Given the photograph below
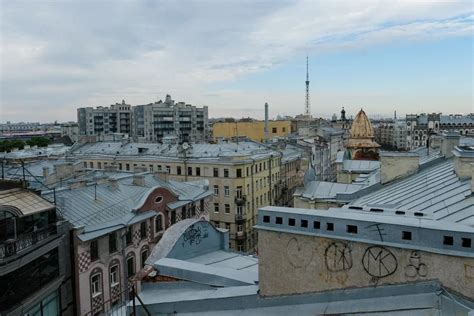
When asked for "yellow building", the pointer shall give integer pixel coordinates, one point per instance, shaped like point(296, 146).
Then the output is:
point(255, 130)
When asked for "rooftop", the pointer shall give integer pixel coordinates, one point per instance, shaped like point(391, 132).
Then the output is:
point(23, 202)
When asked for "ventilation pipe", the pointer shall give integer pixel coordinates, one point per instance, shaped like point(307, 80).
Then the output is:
point(266, 122)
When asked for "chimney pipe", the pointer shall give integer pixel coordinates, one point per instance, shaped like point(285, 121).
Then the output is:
point(266, 122)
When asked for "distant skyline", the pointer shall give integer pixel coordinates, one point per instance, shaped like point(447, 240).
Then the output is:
point(233, 56)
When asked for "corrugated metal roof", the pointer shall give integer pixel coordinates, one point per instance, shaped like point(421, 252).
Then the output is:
point(361, 165)
point(435, 190)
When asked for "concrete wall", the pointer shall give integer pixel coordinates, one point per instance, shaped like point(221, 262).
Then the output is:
point(397, 166)
point(314, 204)
point(462, 166)
point(314, 264)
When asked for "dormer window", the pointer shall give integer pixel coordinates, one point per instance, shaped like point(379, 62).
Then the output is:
point(158, 199)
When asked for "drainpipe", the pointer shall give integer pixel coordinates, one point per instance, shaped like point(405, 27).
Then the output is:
point(253, 197)
point(124, 268)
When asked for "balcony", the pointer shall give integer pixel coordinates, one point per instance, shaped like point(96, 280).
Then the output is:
point(240, 217)
point(11, 247)
point(240, 235)
point(240, 199)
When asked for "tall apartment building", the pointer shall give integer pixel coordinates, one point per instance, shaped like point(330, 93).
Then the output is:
point(105, 120)
point(185, 122)
point(151, 122)
point(392, 134)
point(35, 266)
point(419, 127)
point(243, 176)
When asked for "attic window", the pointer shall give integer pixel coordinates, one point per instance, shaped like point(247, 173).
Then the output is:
point(448, 240)
point(291, 222)
point(279, 220)
point(266, 219)
point(466, 242)
point(158, 199)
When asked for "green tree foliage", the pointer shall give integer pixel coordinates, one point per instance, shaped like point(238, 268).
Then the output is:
point(8, 145)
point(39, 141)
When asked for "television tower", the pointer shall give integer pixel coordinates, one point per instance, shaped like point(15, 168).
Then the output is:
point(306, 104)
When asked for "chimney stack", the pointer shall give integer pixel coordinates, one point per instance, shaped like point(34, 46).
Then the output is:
point(449, 141)
point(266, 122)
point(45, 172)
point(139, 179)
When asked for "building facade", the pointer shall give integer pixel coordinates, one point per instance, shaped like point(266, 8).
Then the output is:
point(185, 122)
point(35, 266)
point(243, 176)
point(116, 222)
point(421, 126)
point(392, 135)
point(254, 130)
point(105, 120)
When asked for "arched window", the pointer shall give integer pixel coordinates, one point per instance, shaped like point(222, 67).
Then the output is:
point(159, 223)
point(143, 255)
point(158, 199)
point(131, 269)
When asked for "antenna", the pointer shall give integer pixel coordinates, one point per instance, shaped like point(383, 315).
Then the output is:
point(306, 105)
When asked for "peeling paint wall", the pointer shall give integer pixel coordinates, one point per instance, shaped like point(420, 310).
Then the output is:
point(314, 264)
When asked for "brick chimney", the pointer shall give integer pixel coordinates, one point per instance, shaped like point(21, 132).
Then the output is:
point(139, 179)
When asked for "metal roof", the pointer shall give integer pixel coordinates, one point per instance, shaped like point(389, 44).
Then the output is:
point(105, 204)
point(23, 202)
point(436, 191)
point(194, 151)
point(325, 190)
point(361, 165)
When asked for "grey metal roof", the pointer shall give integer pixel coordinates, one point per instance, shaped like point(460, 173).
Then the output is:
point(326, 190)
point(365, 166)
point(105, 205)
point(436, 191)
point(459, 119)
point(195, 151)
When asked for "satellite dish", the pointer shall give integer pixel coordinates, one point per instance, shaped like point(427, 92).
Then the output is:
point(185, 146)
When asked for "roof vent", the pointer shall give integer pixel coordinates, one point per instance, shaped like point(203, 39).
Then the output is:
point(377, 210)
point(400, 212)
point(419, 214)
point(356, 208)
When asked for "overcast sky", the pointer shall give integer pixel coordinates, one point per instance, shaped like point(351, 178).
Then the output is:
point(408, 56)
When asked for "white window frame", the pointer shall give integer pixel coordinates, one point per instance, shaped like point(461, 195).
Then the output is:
point(114, 275)
point(226, 190)
point(96, 286)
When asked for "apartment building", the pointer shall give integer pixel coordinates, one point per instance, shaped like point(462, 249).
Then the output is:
point(392, 135)
point(243, 176)
point(153, 122)
point(105, 120)
point(116, 221)
point(35, 267)
point(421, 126)
point(169, 119)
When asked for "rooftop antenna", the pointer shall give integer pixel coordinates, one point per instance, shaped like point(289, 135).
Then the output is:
point(306, 105)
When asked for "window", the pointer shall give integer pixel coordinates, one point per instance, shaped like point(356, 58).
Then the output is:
point(466, 242)
point(94, 250)
point(173, 217)
point(198, 171)
point(158, 223)
point(279, 220)
point(283, 129)
point(216, 207)
point(144, 255)
point(274, 130)
point(168, 169)
point(406, 235)
point(96, 287)
point(143, 230)
point(304, 223)
point(130, 266)
point(227, 208)
point(158, 199)
point(114, 275)
point(330, 226)
point(190, 171)
point(91, 164)
point(84, 164)
point(127, 166)
point(226, 191)
point(240, 228)
point(239, 173)
point(352, 229)
point(216, 224)
point(216, 172)
point(113, 242)
point(291, 221)
point(266, 219)
point(448, 240)
point(227, 226)
point(128, 236)
point(120, 166)
point(226, 173)
point(178, 170)
point(216, 190)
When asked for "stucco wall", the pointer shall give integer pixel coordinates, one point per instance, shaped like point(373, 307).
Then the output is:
point(393, 167)
point(313, 264)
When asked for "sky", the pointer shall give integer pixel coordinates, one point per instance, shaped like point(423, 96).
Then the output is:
point(408, 56)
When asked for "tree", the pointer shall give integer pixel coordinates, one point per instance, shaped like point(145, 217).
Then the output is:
point(39, 141)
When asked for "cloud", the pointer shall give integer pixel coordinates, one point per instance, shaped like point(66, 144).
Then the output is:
point(61, 55)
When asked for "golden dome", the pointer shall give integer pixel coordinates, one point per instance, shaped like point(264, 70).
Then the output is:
point(361, 126)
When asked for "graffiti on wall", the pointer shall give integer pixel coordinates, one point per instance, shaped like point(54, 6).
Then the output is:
point(338, 257)
point(379, 262)
point(194, 234)
point(299, 253)
point(415, 267)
